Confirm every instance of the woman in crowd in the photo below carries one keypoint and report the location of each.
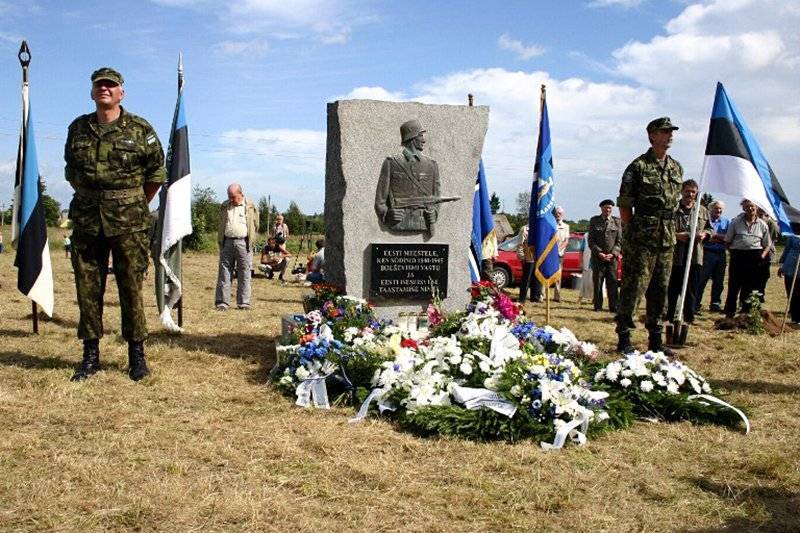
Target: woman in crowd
(749, 242)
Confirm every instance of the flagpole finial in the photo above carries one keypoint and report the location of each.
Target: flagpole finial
(471, 99)
(180, 71)
(24, 54)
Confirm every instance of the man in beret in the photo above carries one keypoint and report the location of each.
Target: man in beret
(605, 242)
(648, 198)
(115, 164)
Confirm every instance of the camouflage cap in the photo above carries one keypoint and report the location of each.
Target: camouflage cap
(607, 202)
(410, 129)
(660, 123)
(107, 73)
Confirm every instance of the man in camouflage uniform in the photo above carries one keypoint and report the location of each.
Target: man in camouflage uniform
(115, 163)
(648, 197)
(605, 242)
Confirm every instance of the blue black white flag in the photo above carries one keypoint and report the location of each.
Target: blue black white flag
(542, 234)
(174, 214)
(484, 240)
(735, 165)
(29, 229)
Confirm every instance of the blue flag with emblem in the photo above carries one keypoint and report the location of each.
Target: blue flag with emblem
(483, 236)
(29, 229)
(542, 234)
(735, 165)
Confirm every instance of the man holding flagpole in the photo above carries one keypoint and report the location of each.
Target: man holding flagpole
(648, 198)
(115, 163)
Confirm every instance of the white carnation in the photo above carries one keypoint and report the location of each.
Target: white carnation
(625, 382)
(646, 385)
(465, 368)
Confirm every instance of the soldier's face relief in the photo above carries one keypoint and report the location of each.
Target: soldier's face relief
(419, 141)
(107, 93)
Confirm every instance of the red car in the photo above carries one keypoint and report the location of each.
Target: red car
(508, 267)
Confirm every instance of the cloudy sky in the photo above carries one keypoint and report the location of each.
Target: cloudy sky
(260, 72)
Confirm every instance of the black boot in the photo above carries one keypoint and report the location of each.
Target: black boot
(624, 345)
(654, 344)
(137, 366)
(91, 360)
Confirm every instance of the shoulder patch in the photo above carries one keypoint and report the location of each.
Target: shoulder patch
(151, 138)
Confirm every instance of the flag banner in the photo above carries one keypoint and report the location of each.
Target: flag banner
(174, 217)
(542, 234)
(735, 165)
(483, 234)
(35, 276)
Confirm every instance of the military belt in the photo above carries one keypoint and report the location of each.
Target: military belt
(110, 194)
(664, 215)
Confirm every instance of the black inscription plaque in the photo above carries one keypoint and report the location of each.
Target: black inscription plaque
(408, 271)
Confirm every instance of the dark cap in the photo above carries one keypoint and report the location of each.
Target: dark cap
(660, 123)
(107, 73)
(607, 202)
(410, 129)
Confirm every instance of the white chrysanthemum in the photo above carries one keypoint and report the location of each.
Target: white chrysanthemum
(625, 382)
(302, 373)
(646, 385)
(516, 391)
(465, 368)
(672, 388)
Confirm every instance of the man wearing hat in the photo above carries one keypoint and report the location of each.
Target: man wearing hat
(407, 176)
(648, 198)
(605, 242)
(115, 164)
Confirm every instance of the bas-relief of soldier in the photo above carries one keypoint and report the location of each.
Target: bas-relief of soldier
(408, 188)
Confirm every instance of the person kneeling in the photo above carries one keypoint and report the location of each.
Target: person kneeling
(273, 258)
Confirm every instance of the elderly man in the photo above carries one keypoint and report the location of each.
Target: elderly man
(648, 197)
(749, 242)
(236, 237)
(115, 164)
(562, 230)
(703, 230)
(605, 242)
(714, 258)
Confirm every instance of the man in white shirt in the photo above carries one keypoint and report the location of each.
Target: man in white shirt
(562, 230)
(236, 237)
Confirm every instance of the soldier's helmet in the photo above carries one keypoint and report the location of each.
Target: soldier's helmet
(660, 123)
(410, 129)
(107, 73)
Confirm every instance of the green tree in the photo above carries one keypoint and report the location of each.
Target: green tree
(706, 199)
(494, 203)
(265, 215)
(52, 209)
(523, 203)
(205, 217)
(294, 218)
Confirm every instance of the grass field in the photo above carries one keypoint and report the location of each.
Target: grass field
(206, 444)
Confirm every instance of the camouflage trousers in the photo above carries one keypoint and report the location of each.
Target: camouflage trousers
(645, 272)
(90, 263)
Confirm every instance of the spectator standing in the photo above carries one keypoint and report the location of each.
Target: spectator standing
(67, 246)
(714, 258)
(748, 241)
(529, 282)
(605, 243)
(273, 258)
(562, 231)
(236, 236)
(786, 270)
(280, 228)
(683, 221)
(774, 234)
(2, 246)
(316, 267)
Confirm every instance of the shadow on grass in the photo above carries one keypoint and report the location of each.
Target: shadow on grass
(757, 387)
(67, 323)
(16, 333)
(258, 349)
(780, 507)
(33, 361)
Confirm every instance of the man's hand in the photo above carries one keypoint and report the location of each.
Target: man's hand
(682, 236)
(395, 216)
(780, 272)
(430, 216)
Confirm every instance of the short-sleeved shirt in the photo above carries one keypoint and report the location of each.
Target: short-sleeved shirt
(651, 188)
(743, 235)
(121, 156)
(719, 227)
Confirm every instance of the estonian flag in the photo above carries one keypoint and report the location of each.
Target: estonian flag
(174, 214)
(542, 234)
(735, 165)
(484, 239)
(29, 227)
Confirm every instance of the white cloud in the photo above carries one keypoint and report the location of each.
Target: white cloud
(625, 4)
(254, 48)
(373, 93)
(523, 51)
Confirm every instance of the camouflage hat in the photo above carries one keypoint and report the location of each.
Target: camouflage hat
(607, 202)
(410, 129)
(107, 73)
(660, 123)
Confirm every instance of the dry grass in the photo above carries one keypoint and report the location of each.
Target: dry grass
(205, 444)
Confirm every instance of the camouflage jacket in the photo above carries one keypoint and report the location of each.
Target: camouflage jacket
(108, 168)
(652, 190)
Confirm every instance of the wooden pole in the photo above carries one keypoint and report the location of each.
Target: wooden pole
(547, 305)
(791, 294)
(180, 312)
(35, 315)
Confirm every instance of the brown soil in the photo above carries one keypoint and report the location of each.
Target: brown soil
(772, 324)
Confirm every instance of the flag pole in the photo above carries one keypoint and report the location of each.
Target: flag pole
(791, 293)
(24, 57)
(180, 241)
(547, 287)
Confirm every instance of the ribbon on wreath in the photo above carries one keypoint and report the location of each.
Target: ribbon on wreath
(314, 390)
(714, 399)
(364, 409)
(473, 398)
(570, 430)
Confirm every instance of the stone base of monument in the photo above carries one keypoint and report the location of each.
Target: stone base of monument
(400, 271)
